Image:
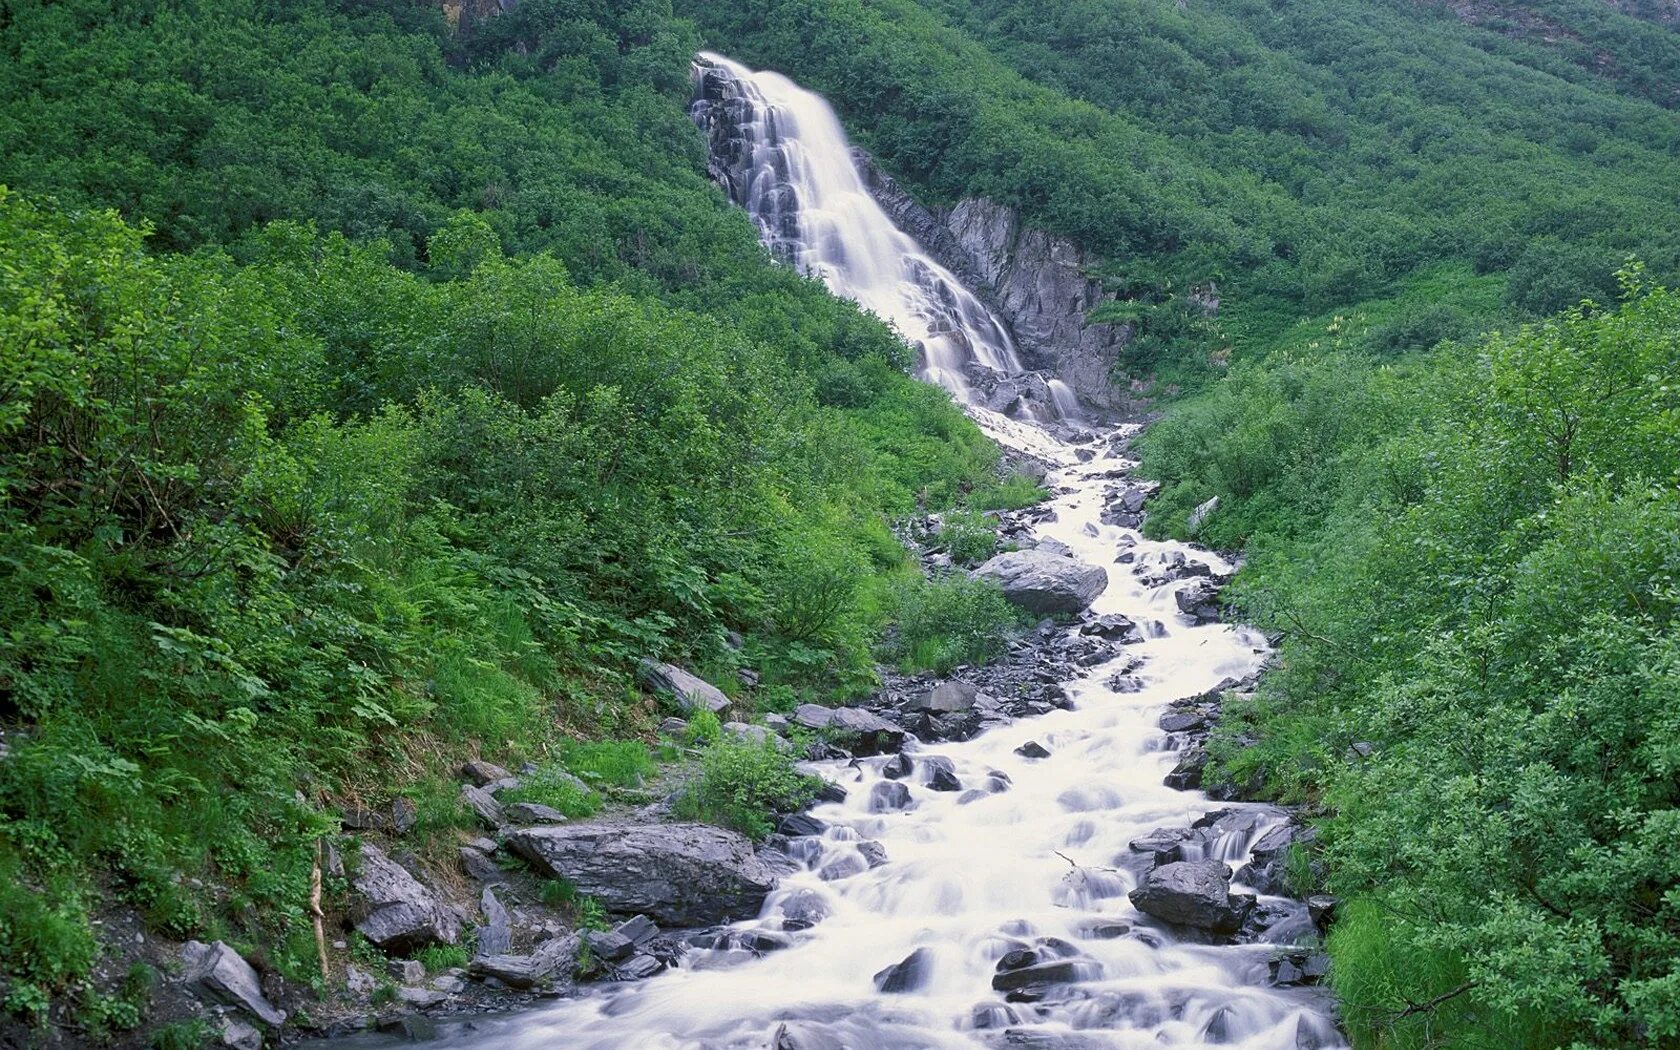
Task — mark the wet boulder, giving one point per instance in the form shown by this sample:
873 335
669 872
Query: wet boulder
1187 774
393 910
676 874
691 693
1195 893
939 774
888 796
1045 583
1033 749
908 975
946 698
1199 601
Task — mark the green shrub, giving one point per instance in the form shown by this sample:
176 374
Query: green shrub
744 785
941 623
704 726
438 957
969 535
554 786
607 763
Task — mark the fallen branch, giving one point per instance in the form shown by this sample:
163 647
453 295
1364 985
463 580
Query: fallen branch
315 909
1418 1008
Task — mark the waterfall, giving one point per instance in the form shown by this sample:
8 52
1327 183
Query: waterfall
1038 855
783 157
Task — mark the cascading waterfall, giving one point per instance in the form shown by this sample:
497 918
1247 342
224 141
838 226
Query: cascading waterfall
783 156
969 876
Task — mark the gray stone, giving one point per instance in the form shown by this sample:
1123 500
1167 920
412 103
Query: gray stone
359 982
220 973
1193 893
609 945
677 874
1045 583
866 733
533 813
237 1035
796 1036
1201 514
449 984
908 975
638 930
495 937
1032 749
1059 971
690 693
393 910
946 698
405 971
1199 601
887 796
421 998
484 805
481 772
553 958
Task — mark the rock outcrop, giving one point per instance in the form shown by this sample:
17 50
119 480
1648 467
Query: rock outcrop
1045 583
393 909
681 875
1038 283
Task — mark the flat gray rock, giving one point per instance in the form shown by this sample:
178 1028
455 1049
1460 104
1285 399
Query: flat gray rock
680 875
393 910
223 975
690 692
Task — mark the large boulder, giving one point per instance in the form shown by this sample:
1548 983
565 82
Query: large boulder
691 693
1199 601
222 974
1193 893
679 875
952 697
865 733
394 911
1044 583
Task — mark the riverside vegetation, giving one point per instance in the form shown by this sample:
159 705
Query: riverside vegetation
419 384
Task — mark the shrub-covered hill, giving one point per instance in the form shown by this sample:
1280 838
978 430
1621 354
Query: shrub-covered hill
416 386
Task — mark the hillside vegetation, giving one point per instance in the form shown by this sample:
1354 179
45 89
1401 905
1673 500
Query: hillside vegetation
419 389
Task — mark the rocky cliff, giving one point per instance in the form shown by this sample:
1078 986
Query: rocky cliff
1036 282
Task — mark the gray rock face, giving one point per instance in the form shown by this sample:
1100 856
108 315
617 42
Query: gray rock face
1193 893
553 958
676 874
220 973
395 911
691 693
1044 583
534 813
1038 283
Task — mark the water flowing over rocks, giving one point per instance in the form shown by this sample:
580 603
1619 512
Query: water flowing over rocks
1001 856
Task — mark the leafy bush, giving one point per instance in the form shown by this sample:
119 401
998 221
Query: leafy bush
969 535
554 786
938 624
704 727
745 785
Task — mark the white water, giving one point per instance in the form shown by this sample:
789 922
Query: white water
811 206
969 881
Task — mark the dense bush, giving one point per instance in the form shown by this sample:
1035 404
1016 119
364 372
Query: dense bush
1473 561
746 785
950 620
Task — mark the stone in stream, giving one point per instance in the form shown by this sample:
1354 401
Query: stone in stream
681 875
1199 601
873 853
794 1036
392 908
609 945
1187 774
898 767
1045 583
1195 893
1267 868
887 796
222 974
553 958
1056 971
908 975
803 909
1114 627
1032 749
1183 721
843 868
941 774
690 693
798 825
831 792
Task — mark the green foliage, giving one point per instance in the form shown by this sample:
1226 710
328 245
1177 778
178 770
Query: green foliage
969 536
439 957
555 787
745 785
704 727
951 620
607 763
181 1035
1473 561
1013 492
